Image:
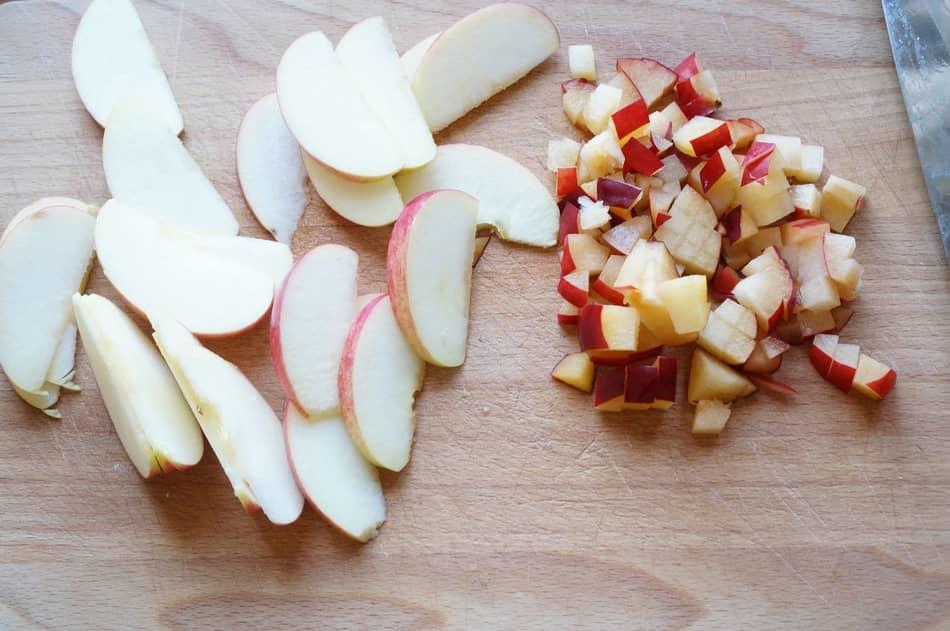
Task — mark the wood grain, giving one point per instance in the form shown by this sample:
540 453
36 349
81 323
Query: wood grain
522 508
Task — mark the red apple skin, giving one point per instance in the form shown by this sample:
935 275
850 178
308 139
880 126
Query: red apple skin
276 347
568 222
572 293
577 84
771 384
688 67
567 261
566 182
822 358
882 386
725 280
639 159
665 382
712 171
744 131
621 358
712 140
566 319
609 387
590 332
608 293
345 373
662 78
630 118
640 387
662 218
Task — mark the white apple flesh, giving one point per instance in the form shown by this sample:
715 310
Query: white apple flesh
148 167
478 57
379 377
214 286
510 198
312 314
373 203
242 429
324 109
369 56
113 57
270 169
333 475
411 58
429 273
150 415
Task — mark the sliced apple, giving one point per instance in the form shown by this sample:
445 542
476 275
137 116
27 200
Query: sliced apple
242 429
873 379
150 415
328 115
411 58
270 170
312 313
510 198
60 376
113 57
478 57
215 286
333 475
429 273
373 203
44 259
379 377
369 56
147 167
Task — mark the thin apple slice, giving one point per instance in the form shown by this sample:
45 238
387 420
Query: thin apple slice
510 198
411 58
59 378
429 273
150 415
333 475
312 313
373 203
147 166
199 280
324 109
242 429
478 57
369 56
270 170
113 57
44 259
379 377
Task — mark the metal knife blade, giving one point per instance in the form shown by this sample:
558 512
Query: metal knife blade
920 38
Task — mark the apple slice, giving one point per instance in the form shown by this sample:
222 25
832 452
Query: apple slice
429 273
411 58
312 313
873 379
576 370
373 203
45 256
270 170
215 286
369 56
113 57
242 429
333 475
710 417
510 198
329 116
478 57
150 415
822 353
379 377
729 333
147 166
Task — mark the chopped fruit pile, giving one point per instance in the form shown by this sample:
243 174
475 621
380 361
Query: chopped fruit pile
680 227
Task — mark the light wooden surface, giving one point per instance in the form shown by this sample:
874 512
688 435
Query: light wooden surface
522 508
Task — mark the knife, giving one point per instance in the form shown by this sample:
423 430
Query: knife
920 38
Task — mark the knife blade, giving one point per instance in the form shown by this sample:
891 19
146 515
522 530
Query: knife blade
919 31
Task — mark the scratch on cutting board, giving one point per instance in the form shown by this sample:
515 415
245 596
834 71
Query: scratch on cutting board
725 27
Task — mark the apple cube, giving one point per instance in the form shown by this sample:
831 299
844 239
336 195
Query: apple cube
648 262
600 156
812 164
841 316
652 79
710 417
660 202
729 333
685 300
617 193
698 95
604 285
626 87
632 120
609 328
583 252
610 388
593 216
761 241
744 131
811 323
565 182
623 237
580 59
702 136
568 314
788 147
846 274
768 294
818 294
710 379
563 153
806 199
766 357
839 246
576 370
799 230
639 159
568 221
574 287
575 95
873 379
602 103
822 353
724 281
840 199
739 225
735 256
690 233
640 387
844 366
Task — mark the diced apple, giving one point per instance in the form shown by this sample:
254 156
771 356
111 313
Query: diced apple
568 314
844 366
632 120
689 234
735 256
593 216
618 194
568 221
604 285
652 79
739 225
562 153
718 180
478 57
767 294
429 273
839 246
640 387
685 300
702 136
665 390
822 353
725 280
576 370
639 159
799 230
818 294
762 240
744 131
575 95
574 287
583 252
623 237
565 182
604 101
600 156
873 379
610 388
788 147
766 357
806 199
840 199
581 61
812 164
710 417
841 315
625 85
729 333
812 323
510 198
609 328
710 379
846 274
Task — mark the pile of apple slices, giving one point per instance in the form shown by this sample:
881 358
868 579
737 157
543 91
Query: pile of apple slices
678 227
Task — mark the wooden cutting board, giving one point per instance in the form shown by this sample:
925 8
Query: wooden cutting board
522 508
